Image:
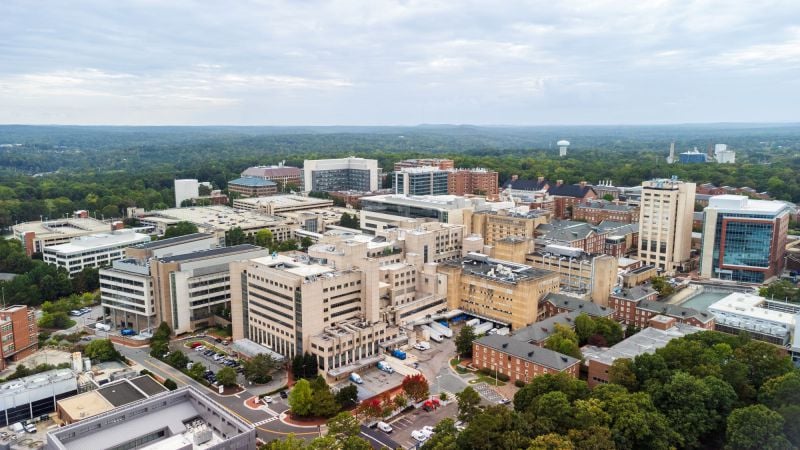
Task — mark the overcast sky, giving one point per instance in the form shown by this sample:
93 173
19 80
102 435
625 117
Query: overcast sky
375 62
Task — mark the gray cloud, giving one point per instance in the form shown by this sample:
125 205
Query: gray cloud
398 62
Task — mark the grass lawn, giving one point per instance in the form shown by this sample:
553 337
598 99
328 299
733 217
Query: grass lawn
487 379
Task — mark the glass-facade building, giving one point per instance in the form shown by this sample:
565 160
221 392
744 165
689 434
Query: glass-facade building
413 182
743 240
340 180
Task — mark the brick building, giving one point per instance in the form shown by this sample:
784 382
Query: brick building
554 304
478 181
520 360
252 187
597 211
18 332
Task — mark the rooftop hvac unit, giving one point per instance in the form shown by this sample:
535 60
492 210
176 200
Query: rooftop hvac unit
201 434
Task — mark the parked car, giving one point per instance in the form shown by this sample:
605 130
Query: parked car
266 399
504 401
284 394
128 332
422 346
427 429
385 427
194 345
75 313
29 427
460 425
199 348
356 378
86 310
419 436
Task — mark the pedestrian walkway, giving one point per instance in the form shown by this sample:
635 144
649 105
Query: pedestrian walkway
265 421
487 392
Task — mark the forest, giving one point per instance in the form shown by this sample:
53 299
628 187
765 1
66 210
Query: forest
50 171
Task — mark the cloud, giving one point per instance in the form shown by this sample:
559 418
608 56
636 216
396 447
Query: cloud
397 61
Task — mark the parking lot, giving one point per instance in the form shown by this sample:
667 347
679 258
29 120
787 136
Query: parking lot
206 359
375 382
416 419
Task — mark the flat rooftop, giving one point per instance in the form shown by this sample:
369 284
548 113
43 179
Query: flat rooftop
424 201
645 341
212 253
754 307
99 241
121 393
63 227
496 269
162 243
742 204
295 266
285 201
215 217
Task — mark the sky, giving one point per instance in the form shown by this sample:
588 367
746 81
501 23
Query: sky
378 62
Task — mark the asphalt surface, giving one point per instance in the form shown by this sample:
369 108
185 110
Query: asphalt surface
267 425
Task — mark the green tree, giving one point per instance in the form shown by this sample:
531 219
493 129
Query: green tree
180 229
300 401
197 371
350 221
755 428
496 427
635 422
323 403
782 390
343 425
226 376
551 441
177 359
584 327
235 236
663 287
764 361
258 368
306 242
464 340
170 384
564 341
101 350
468 403
561 382
783 290
347 396
444 436
622 373
592 438
264 238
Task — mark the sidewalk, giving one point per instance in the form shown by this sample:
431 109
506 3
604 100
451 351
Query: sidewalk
279 380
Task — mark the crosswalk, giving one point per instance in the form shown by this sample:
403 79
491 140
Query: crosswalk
265 421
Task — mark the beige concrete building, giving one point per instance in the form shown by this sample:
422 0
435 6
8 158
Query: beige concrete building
592 276
424 242
504 223
512 249
277 204
496 290
665 223
35 236
288 302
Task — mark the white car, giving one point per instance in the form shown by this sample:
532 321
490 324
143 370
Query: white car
460 426
428 430
385 427
422 346
504 401
266 399
419 436
200 348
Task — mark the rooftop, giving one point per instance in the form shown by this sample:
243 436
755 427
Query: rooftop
271 171
481 265
99 241
252 182
285 201
121 393
742 204
213 218
755 307
602 204
675 311
162 243
62 227
645 341
639 292
250 349
213 253
543 329
576 304
528 352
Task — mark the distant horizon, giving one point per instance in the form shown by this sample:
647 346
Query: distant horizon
431 125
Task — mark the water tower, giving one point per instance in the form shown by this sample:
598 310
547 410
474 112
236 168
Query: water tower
562 147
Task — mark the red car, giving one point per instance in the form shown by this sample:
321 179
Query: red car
431 404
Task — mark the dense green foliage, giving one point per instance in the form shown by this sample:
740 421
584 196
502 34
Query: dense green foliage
100 350
707 390
304 366
464 340
180 229
258 369
783 290
107 169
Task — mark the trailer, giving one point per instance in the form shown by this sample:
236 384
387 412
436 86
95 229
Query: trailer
432 334
441 329
503 331
483 328
473 322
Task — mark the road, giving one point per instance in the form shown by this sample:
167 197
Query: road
377 439
267 425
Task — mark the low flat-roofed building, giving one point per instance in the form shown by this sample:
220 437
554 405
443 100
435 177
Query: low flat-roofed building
497 290
96 250
36 395
179 420
218 220
277 204
252 187
106 398
661 330
763 319
519 360
173 246
35 236
385 211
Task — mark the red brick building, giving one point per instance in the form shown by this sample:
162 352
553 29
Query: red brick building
473 182
520 360
19 334
596 211
637 305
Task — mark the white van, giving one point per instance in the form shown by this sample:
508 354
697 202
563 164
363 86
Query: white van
102 327
385 427
355 378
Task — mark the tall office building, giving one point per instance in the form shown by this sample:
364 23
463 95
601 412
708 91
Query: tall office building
345 174
743 239
421 181
665 223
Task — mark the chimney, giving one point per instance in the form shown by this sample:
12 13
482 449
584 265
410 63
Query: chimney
514 177
559 182
583 184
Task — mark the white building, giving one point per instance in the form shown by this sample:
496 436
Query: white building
665 223
92 251
35 236
765 320
186 189
126 293
34 396
344 174
723 155
386 211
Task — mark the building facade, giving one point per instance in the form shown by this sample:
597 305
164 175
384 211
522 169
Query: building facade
97 250
285 176
442 164
665 224
35 236
597 211
520 361
580 273
252 187
19 334
743 239
495 225
346 174
421 181
496 290
477 181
